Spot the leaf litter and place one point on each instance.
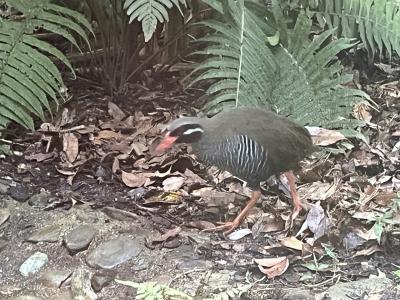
(357, 182)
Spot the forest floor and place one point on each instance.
(85, 203)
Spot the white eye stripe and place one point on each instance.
(192, 130)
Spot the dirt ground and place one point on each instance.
(142, 228)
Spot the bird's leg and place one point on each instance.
(293, 193)
(228, 227)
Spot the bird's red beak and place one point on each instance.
(166, 143)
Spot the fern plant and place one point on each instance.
(27, 75)
(375, 22)
(150, 13)
(298, 77)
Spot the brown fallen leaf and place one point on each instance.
(173, 183)
(200, 224)
(135, 179)
(368, 251)
(193, 178)
(316, 221)
(70, 146)
(115, 111)
(106, 135)
(139, 148)
(168, 235)
(273, 267)
(39, 157)
(293, 243)
(325, 137)
(115, 166)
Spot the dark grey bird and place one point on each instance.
(250, 143)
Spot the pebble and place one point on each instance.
(114, 252)
(54, 278)
(49, 234)
(101, 279)
(79, 238)
(33, 264)
(81, 286)
(19, 193)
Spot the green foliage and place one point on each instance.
(150, 12)
(155, 291)
(296, 77)
(385, 220)
(27, 74)
(375, 22)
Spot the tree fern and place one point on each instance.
(27, 75)
(150, 12)
(375, 22)
(299, 78)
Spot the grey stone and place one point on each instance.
(79, 238)
(114, 252)
(49, 234)
(4, 188)
(26, 297)
(19, 193)
(4, 215)
(33, 264)
(357, 289)
(3, 244)
(54, 278)
(100, 280)
(80, 285)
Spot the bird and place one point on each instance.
(251, 143)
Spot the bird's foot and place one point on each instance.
(226, 227)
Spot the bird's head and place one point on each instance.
(183, 130)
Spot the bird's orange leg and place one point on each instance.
(293, 193)
(228, 227)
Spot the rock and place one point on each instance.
(4, 188)
(3, 244)
(4, 215)
(80, 285)
(33, 264)
(40, 200)
(101, 279)
(114, 252)
(54, 278)
(356, 289)
(26, 297)
(19, 193)
(79, 238)
(49, 234)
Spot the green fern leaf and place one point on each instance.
(150, 13)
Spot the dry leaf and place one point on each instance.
(70, 146)
(293, 243)
(106, 135)
(200, 224)
(115, 111)
(115, 166)
(193, 178)
(273, 267)
(4, 215)
(168, 235)
(173, 183)
(39, 157)
(139, 148)
(368, 251)
(238, 234)
(135, 179)
(325, 137)
(316, 221)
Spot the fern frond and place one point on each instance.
(298, 78)
(150, 13)
(240, 59)
(27, 76)
(375, 22)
